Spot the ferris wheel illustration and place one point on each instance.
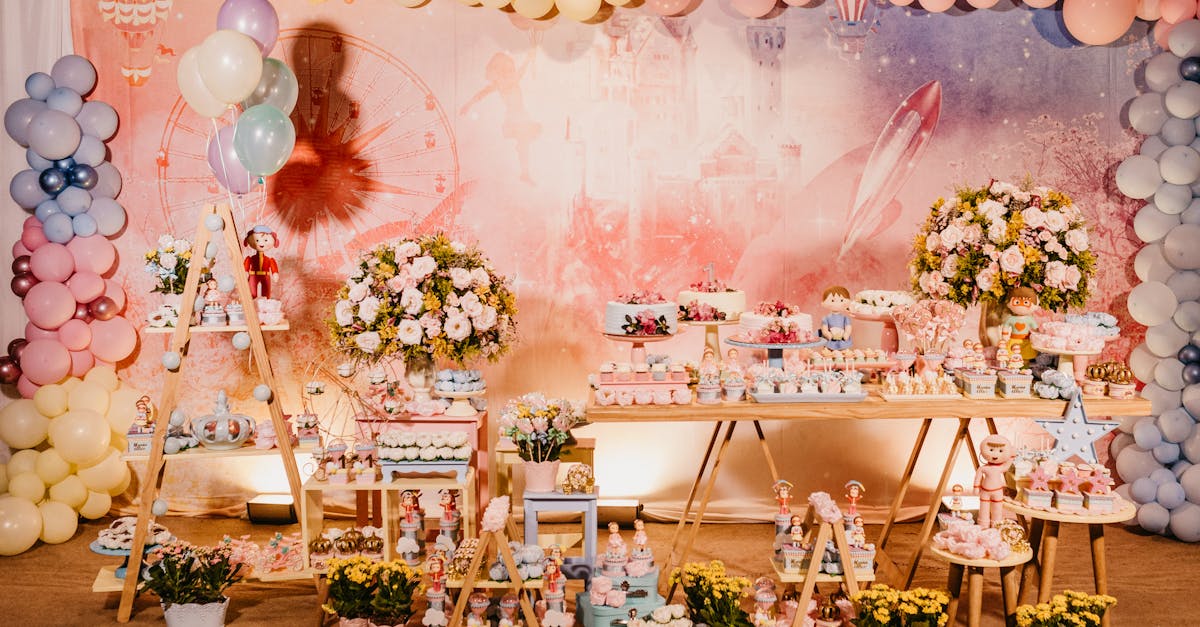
(375, 157)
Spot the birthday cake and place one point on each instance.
(641, 313)
(776, 323)
(718, 298)
(879, 302)
(236, 313)
(214, 315)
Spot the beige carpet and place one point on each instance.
(1155, 579)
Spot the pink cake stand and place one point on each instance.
(889, 339)
(637, 344)
(712, 331)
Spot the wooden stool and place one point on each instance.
(558, 502)
(1009, 581)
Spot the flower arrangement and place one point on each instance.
(697, 311)
(1069, 608)
(169, 264)
(641, 297)
(670, 615)
(986, 241)
(179, 572)
(496, 514)
(645, 323)
(881, 606)
(432, 446)
(711, 286)
(778, 331)
(712, 596)
(424, 298)
(362, 588)
(539, 426)
(930, 324)
(777, 308)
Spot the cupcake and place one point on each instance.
(658, 372)
(641, 373)
(678, 373)
(606, 372)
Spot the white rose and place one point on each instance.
(997, 231)
(932, 242)
(972, 234)
(661, 614)
(445, 452)
(457, 328)
(461, 278)
(422, 267)
(368, 309)
(1034, 217)
(933, 284)
(1055, 221)
(424, 440)
(480, 276)
(165, 241)
(1056, 274)
(412, 453)
(676, 610)
(368, 342)
(181, 245)
(950, 265)
(408, 438)
(412, 300)
(987, 279)
(992, 209)
(438, 440)
(431, 324)
(458, 246)
(428, 454)
(406, 249)
(1077, 239)
(1012, 260)
(951, 236)
(462, 452)
(470, 304)
(456, 438)
(486, 319)
(168, 260)
(1074, 276)
(355, 274)
(409, 332)
(343, 312)
(359, 291)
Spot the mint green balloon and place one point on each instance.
(263, 139)
(278, 87)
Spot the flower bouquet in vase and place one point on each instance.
(352, 585)
(397, 584)
(168, 264)
(190, 581)
(539, 427)
(982, 243)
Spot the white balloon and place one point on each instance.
(1139, 176)
(1142, 362)
(1151, 225)
(1176, 425)
(1166, 339)
(1185, 284)
(1152, 147)
(1179, 164)
(1162, 71)
(1191, 449)
(1119, 442)
(1187, 316)
(1191, 402)
(1183, 100)
(1180, 247)
(1161, 399)
(1172, 198)
(1184, 39)
(1147, 113)
(1152, 303)
(1185, 522)
(1191, 215)
(1178, 131)
(1135, 462)
(1150, 265)
(1169, 374)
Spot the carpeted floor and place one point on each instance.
(1153, 578)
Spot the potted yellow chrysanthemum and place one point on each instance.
(713, 597)
(882, 606)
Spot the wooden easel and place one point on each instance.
(514, 584)
(823, 532)
(180, 341)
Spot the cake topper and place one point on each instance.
(263, 270)
(997, 454)
(835, 326)
(854, 492)
(783, 495)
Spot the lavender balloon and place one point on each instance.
(254, 18)
(223, 159)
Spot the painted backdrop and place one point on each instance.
(591, 159)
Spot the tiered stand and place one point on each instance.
(817, 535)
(474, 578)
(712, 332)
(889, 338)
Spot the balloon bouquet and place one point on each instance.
(68, 430)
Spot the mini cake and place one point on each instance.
(641, 313)
(270, 311)
(1067, 336)
(879, 302)
(778, 315)
(717, 296)
(214, 316)
(236, 314)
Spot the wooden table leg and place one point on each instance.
(687, 509)
(322, 597)
(1009, 584)
(975, 595)
(1036, 526)
(1048, 554)
(936, 501)
(766, 452)
(1099, 569)
(905, 479)
(954, 588)
(703, 507)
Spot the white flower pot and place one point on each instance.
(195, 614)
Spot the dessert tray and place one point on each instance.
(920, 397)
(807, 397)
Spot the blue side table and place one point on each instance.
(574, 567)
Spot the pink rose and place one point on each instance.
(1074, 276)
(1077, 239)
(951, 236)
(525, 426)
(950, 266)
(486, 319)
(1012, 260)
(431, 324)
(1056, 274)
(972, 234)
(987, 278)
(358, 291)
(470, 304)
(932, 242)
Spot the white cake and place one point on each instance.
(619, 313)
(753, 321)
(729, 302)
(879, 302)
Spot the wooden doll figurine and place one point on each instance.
(263, 270)
(997, 455)
(854, 492)
(449, 511)
(408, 502)
(1022, 302)
(835, 326)
(783, 496)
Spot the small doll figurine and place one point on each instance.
(508, 610)
(783, 496)
(854, 492)
(1022, 302)
(408, 502)
(956, 502)
(435, 566)
(732, 364)
(479, 603)
(858, 534)
(796, 532)
(555, 552)
(552, 576)
(449, 511)
(639, 535)
(835, 326)
(212, 295)
(997, 454)
(262, 269)
(616, 544)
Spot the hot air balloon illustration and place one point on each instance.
(140, 23)
(850, 22)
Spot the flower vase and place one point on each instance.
(195, 614)
(353, 622)
(991, 316)
(541, 476)
(419, 374)
(173, 301)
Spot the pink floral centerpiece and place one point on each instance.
(778, 308)
(697, 311)
(779, 332)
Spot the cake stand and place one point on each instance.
(637, 344)
(712, 333)
(889, 339)
(1067, 364)
(460, 405)
(775, 351)
(120, 572)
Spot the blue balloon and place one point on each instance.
(36, 161)
(46, 209)
(1189, 354)
(1143, 490)
(1191, 373)
(53, 181)
(109, 216)
(59, 228)
(1189, 69)
(84, 175)
(39, 85)
(85, 226)
(74, 201)
(1162, 475)
(64, 164)
(1049, 24)
(66, 100)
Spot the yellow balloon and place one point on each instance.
(59, 522)
(107, 474)
(533, 9)
(578, 10)
(96, 505)
(28, 486)
(119, 490)
(70, 491)
(495, 4)
(230, 65)
(70, 383)
(51, 400)
(469, 3)
(51, 467)
(122, 408)
(88, 396)
(936, 6)
(22, 425)
(20, 524)
(81, 436)
(22, 462)
(119, 441)
(3, 478)
(104, 376)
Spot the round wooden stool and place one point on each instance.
(1009, 582)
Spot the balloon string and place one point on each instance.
(221, 153)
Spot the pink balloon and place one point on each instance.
(34, 332)
(94, 253)
(113, 290)
(937, 6)
(75, 335)
(45, 362)
(31, 222)
(32, 238)
(1149, 10)
(81, 363)
(1100, 22)
(19, 250)
(113, 340)
(52, 262)
(753, 8)
(667, 7)
(1162, 30)
(86, 286)
(26, 388)
(49, 305)
(1176, 11)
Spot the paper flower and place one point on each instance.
(496, 514)
(825, 507)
